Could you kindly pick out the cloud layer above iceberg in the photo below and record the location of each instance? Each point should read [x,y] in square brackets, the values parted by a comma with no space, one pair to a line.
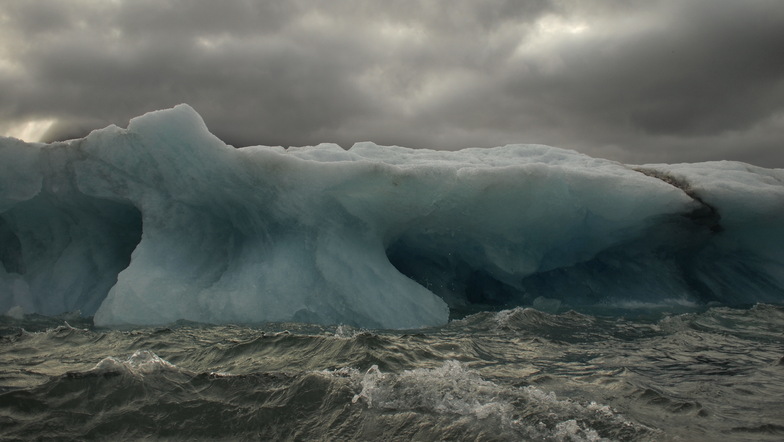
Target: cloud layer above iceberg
[163,221]
[633,81]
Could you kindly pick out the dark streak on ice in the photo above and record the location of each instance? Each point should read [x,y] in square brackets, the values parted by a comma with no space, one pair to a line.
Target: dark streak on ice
[706,215]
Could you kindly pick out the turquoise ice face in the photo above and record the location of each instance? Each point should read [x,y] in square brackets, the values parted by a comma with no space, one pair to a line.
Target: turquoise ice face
[163,221]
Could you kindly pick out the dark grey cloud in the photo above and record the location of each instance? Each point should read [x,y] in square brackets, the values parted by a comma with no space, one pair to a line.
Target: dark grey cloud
[636,81]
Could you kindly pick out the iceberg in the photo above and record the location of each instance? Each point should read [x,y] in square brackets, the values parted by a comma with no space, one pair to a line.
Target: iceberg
[162,221]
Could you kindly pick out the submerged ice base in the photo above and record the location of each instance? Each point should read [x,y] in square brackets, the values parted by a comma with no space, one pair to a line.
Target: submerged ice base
[163,221]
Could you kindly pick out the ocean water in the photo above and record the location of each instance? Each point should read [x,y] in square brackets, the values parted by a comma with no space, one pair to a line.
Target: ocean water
[520,374]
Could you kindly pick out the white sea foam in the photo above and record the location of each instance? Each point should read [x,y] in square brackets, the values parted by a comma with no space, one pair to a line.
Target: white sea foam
[140,363]
[455,389]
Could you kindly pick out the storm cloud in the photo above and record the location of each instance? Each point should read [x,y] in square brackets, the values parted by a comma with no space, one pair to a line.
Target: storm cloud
[634,81]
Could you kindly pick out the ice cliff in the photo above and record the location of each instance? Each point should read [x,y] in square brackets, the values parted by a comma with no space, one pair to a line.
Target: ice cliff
[162,221]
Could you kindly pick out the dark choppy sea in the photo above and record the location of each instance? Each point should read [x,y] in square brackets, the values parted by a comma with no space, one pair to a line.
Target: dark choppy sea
[517,374]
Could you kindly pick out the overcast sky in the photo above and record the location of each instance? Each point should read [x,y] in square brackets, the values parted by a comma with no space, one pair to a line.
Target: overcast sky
[634,81]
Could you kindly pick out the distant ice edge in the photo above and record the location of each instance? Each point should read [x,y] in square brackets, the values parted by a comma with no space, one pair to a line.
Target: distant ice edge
[163,221]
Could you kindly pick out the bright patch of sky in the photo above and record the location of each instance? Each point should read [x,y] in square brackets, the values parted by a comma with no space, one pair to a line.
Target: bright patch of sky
[31,130]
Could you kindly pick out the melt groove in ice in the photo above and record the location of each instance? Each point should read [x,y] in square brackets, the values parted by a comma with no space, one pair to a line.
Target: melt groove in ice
[163,221]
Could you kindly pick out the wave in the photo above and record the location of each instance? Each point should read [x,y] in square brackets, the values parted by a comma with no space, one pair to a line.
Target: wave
[508,375]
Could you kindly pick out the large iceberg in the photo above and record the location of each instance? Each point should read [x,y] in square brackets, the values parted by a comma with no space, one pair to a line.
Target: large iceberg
[162,221]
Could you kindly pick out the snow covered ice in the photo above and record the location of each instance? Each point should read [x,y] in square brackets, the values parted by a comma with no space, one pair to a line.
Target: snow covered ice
[163,221]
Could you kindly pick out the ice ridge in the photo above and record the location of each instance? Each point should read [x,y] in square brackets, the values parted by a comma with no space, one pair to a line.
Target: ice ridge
[163,221]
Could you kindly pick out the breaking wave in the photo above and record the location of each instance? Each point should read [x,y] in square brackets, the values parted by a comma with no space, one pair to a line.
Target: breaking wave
[518,374]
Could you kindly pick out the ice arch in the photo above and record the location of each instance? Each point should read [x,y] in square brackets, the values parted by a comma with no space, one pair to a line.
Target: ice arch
[163,221]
